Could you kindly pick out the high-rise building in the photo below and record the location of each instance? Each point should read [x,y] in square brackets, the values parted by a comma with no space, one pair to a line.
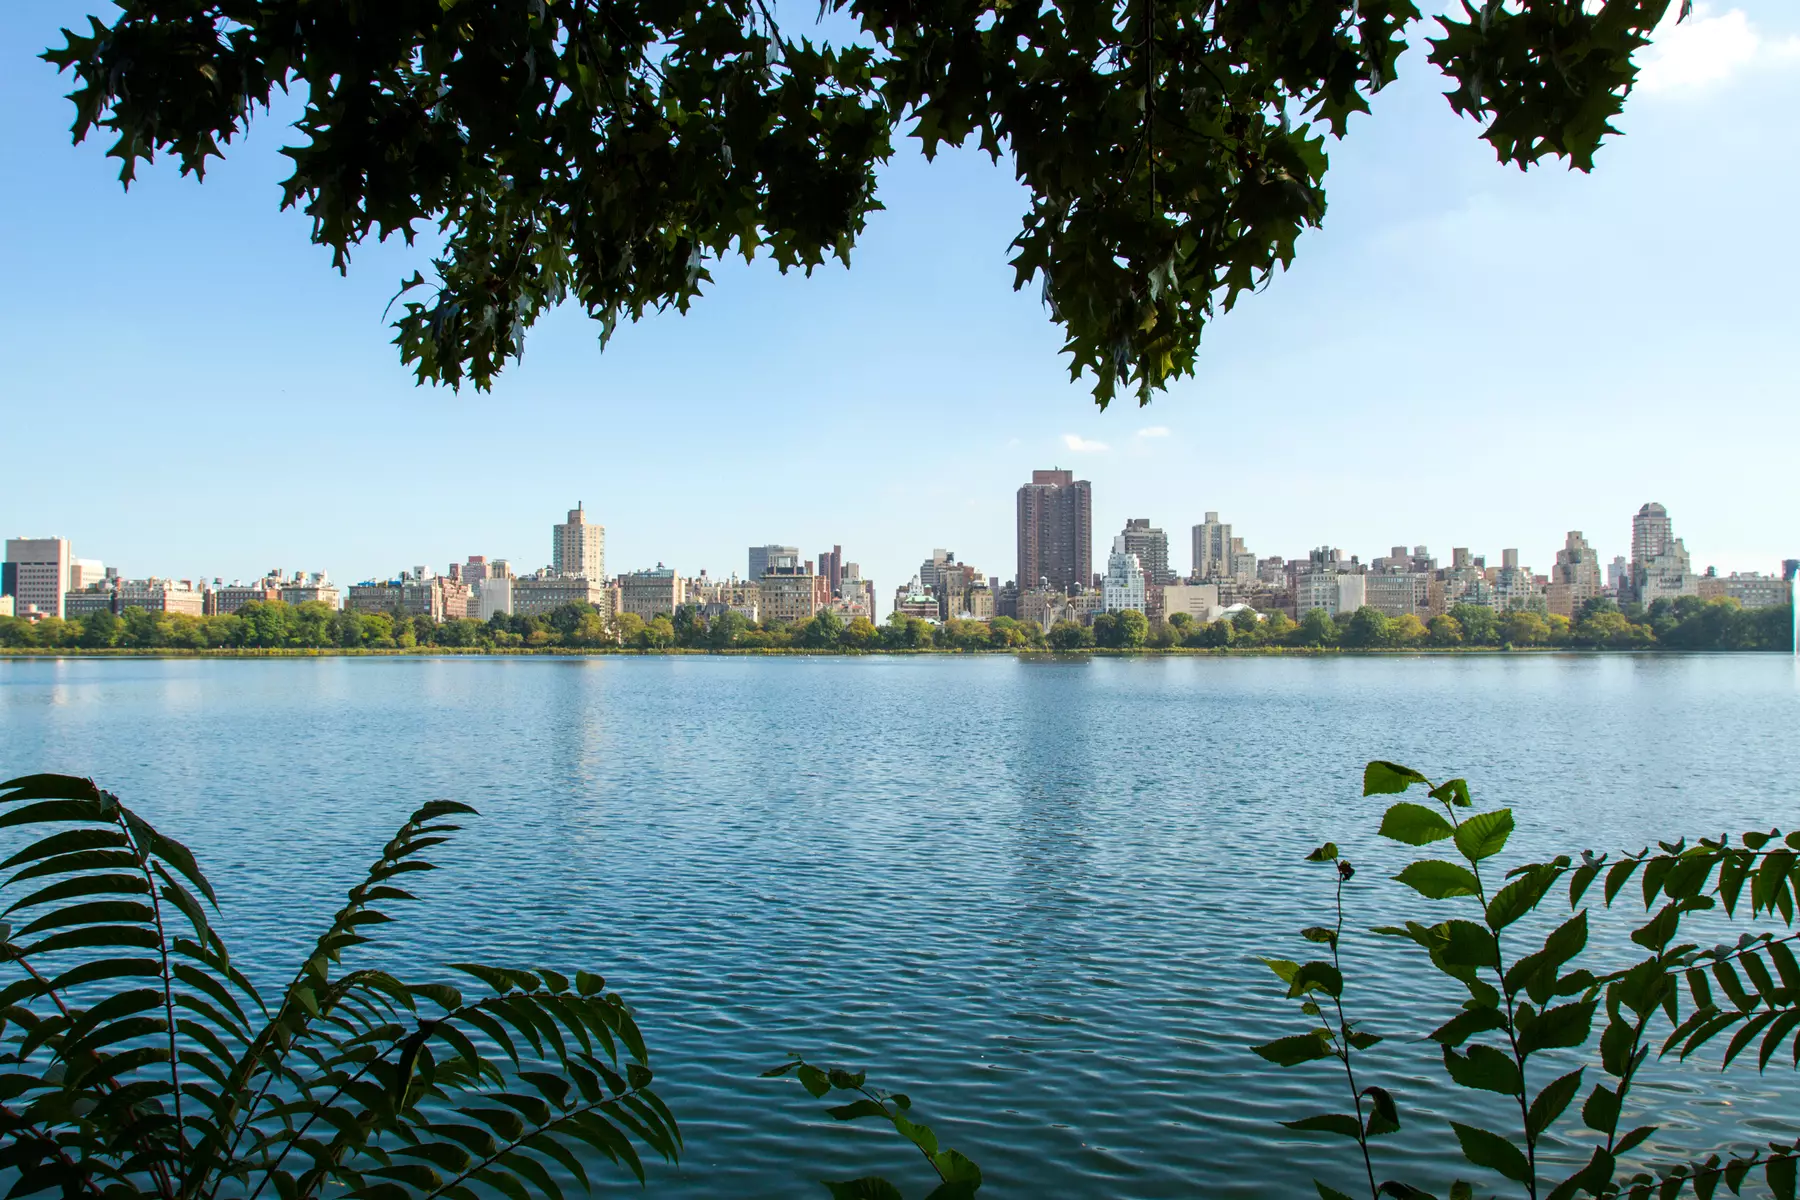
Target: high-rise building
[831,566]
[1659,561]
[1123,587]
[1152,549]
[764,558]
[578,547]
[1576,577]
[37,574]
[1056,531]
[1212,550]
[1651,533]
[928,570]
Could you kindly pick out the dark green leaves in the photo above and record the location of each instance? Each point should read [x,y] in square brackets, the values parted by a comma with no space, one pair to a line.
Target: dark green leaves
[958,1176]
[1296,1049]
[1414,824]
[1483,1068]
[1484,834]
[1382,778]
[1492,1151]
[1339,1124]
[149,1067]
[1548,76]
[1171,156]
[1438,880]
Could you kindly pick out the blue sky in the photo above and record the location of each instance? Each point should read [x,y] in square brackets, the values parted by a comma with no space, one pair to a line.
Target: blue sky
[1464,355]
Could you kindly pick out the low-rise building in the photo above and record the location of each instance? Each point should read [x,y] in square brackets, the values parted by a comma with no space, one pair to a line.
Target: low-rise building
[115,595]
[1198,600]
[1397,593]
[537,594]
[651,593]
[490,596]
[715,597]
[914,599]
[412,595]
[226,598]
[314,588]
[790,595]
[1749,590]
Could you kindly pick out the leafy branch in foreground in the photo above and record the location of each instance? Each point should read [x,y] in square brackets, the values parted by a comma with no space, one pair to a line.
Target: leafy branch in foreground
[607,152]
[1531,1010]
[138,1060]
[958,1177]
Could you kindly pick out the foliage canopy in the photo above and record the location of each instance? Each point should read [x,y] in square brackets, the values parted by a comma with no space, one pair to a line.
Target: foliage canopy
[606,151]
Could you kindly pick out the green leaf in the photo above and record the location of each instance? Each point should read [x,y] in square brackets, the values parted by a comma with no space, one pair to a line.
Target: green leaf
[1384,1116]
[1492,1151]
[1601,1112]
[1560,1027]
[1552,1100]
[953,1166]
[1414,824]
[1454,792]
[869,1187]
[1483,1068]
[1382,778]
[1518,898]
[953,1189]
[1299,1048]
[1435,879]
[1341,1124]
[1316,977]
[855,1109]
[1484,835]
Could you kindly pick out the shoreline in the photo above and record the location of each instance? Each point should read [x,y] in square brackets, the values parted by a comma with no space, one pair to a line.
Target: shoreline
[12,652]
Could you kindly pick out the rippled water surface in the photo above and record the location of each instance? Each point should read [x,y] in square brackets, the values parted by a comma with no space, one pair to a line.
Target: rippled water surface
[1027,892]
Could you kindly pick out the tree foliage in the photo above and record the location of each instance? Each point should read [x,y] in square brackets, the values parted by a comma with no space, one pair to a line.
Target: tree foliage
[1549,1020]
[606,151]
[1684,624]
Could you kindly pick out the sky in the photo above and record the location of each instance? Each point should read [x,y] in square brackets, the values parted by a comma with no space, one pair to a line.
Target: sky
[1464,355]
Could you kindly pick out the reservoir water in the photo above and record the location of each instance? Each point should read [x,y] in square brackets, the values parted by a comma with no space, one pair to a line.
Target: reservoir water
[1028,892]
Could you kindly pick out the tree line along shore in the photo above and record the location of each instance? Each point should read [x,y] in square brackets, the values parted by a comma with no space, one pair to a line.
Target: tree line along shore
[1686,623]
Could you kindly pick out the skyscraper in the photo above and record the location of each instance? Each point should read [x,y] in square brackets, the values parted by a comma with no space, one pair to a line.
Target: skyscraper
[831,566]
[37,574]
[1056,531]
[1212,550]
[1152,549]
[1659,562]
[578,547]
[1576,577]
[762,558]
[1651,533]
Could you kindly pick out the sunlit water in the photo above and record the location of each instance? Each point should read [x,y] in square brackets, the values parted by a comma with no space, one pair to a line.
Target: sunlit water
[1030,893]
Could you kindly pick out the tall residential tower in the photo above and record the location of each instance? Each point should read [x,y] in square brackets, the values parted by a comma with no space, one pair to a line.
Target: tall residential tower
[579,547]
[1056,531]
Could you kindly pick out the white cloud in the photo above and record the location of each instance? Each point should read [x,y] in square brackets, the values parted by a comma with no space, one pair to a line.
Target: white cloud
[1081,445]
[1706,49]
[1154,431]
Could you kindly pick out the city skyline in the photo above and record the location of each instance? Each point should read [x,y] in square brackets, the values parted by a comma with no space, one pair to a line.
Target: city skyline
[1574,572]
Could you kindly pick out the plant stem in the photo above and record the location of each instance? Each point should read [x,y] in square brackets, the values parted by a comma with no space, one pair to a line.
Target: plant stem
[1362,1135]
